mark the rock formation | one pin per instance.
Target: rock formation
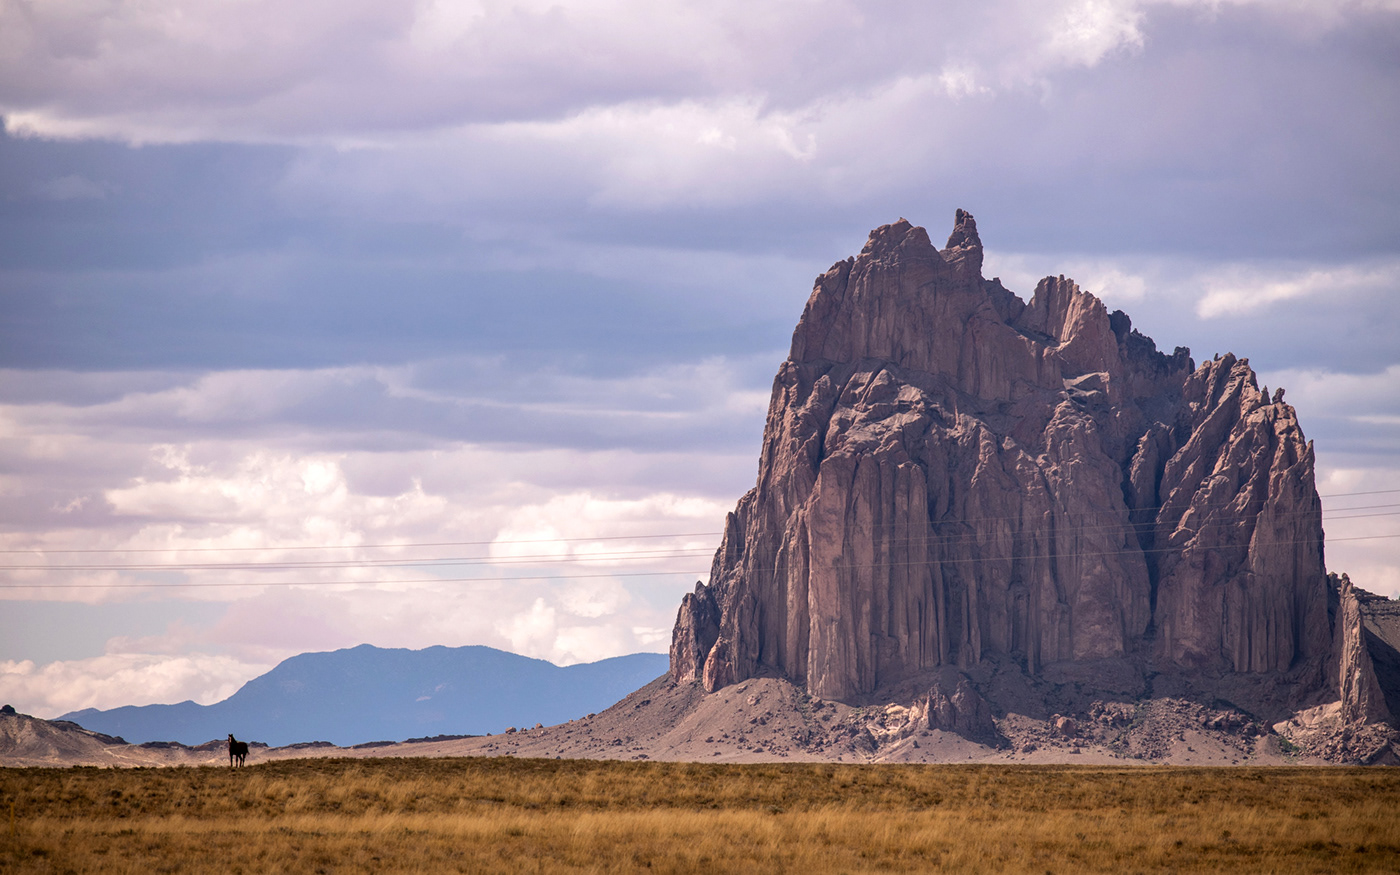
(953, 477)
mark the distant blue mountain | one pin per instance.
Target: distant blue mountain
(372, 694)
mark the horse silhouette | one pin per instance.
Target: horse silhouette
(237, 751)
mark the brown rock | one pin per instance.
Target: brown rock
(697, 628)
(950, 475)
(1362, 698)
(1238, 536)
(1380, 619)
(954, 705)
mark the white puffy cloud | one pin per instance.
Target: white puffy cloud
(236, 460)
(113, 680)
(1088, 30)
(270, 497)
(562, 527)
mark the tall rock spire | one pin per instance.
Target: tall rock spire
(950, 475)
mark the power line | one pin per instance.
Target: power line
(927, 563)
(339, 582)
(948, 541)
(1348, 494)
(494, 542)
(536, 559)
(367, 546)
(641, 555)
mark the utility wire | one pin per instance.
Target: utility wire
(648, 555)
(340, 582)
(927, 563)
(536, 559)
(497, 542)
(369, 546)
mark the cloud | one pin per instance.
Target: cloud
(1351, 415)
(71, 187)
(178, 71)
(1354, 421)
(1360, 517)
(1087, 31)
(229, 497)
(424, 404)
(960, 81)
(1238, 290)
(201, 480)
(227, 470)
(609, 589)
(113, 680)
(539, 611)
(1282, 314)
(1232, 135)
(1119, 283)
(1224, 136)
(284, 498)
(563, 526)
(1343, 394)
(593, 599)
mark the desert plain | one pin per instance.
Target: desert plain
(490, 814)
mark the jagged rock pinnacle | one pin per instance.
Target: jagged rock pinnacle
(952, 477)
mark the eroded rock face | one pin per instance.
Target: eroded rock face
(949, 474)
(954, 705)
(1362, 699)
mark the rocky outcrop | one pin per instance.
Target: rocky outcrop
(954, 705)
(31, 741)
(1362, 699)
(695, 633)
(1380, 629)
(1238, 534)
(951, 475)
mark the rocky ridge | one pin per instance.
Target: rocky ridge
(965, 499)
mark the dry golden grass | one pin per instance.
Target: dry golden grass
(503, 814)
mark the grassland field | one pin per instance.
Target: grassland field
(504, 814)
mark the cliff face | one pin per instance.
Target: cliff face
(950, 474)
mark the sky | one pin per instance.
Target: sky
(433, 322)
